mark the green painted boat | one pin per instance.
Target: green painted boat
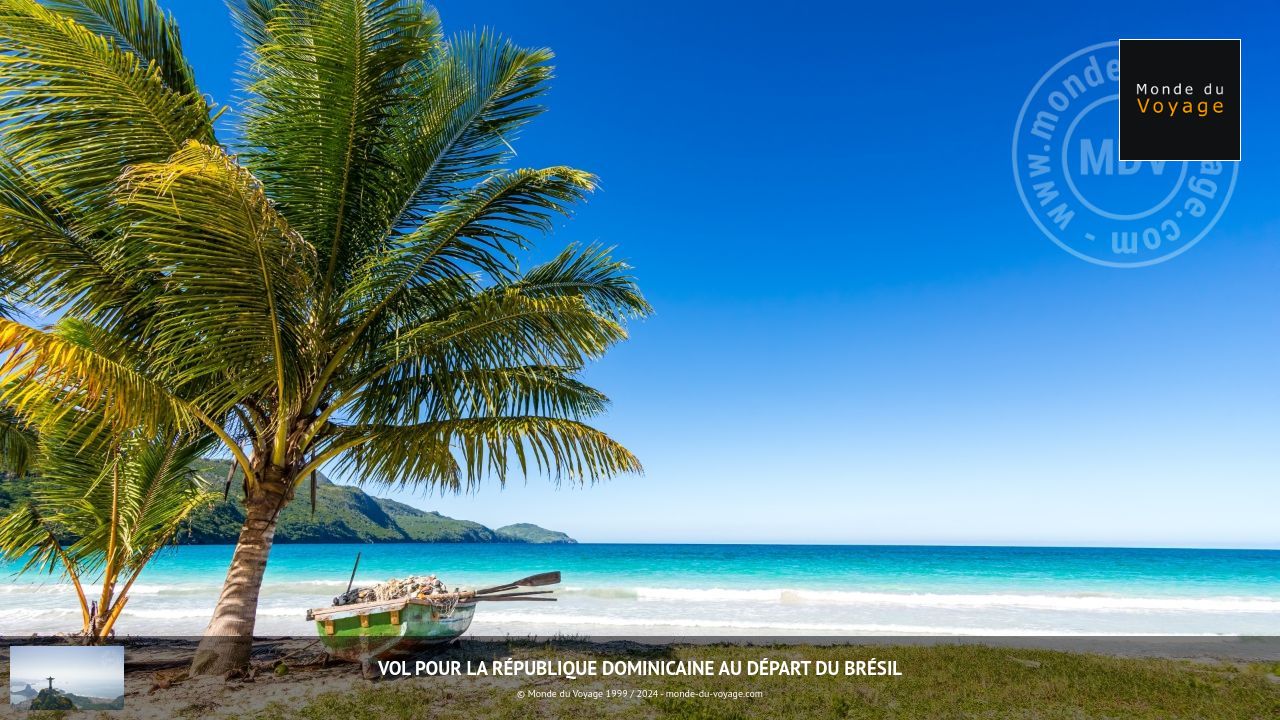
(381, 630)
(363, 632)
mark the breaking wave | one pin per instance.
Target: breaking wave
(483, 624)
(1075, 603)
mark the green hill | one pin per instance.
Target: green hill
(56, 699)
(530, 533)
(51, 700)
(343, 514)
(83, 702)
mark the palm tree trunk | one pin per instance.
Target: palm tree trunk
(228, 639)
(75, 581)
(110, 571)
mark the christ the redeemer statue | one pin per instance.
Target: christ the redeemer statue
(50, 679)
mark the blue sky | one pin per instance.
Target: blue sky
(861, 337)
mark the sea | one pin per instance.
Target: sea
(718, 590)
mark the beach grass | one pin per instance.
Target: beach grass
(941, 681)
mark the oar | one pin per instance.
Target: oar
(353, 572)
(515, 594)
(547, 578)
(514, 598)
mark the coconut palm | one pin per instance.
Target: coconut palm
(342, 284)
(104, 500)
(103, 504)
(101, 508)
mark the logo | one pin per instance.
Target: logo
(1180, 100)
(1069, 175)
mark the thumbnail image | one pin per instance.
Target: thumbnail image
(66, 678)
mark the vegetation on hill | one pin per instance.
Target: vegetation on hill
(343, 513)
(83, 702)
(55, 699)
(52, 700)
(530, 533)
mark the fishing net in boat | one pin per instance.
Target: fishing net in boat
(446, 604)
(413, 586)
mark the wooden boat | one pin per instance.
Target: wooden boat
(397, 627)
(363, 632)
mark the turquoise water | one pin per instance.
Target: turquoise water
(732, 589)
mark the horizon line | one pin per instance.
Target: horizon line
(1259, 548)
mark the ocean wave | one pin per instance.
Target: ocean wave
(207, 611)
(543, 623)
(317, 587)
(311, 591)
(1087, 603)
(36, 613)
(170, 613)
(607, 593)
(91, 589)
(27, 588)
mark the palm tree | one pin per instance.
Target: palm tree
(101, 508)
(342, 284)
(102, 504)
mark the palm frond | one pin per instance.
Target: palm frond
(446, 393)
(153, 486)
(206, 224)
(125, 494)
(51, 374)
(17, 442)
(45, 257)
(75, 108)
(140, 27)
(28, 539)
(476, 231)
(251, 18)
(473, 102)
(592, 274)
(455, 455)
(324, 80)
(494, 329)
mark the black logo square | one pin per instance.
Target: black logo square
(1179, 100)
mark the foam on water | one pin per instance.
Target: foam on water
(515, 623)
(725, 590)
(1098, 603)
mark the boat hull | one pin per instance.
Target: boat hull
(391, 629)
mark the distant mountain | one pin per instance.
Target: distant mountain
(83, 702)
(51, 700)
(343, 514)
(530, 533)
(56, 699)
(27, 691)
